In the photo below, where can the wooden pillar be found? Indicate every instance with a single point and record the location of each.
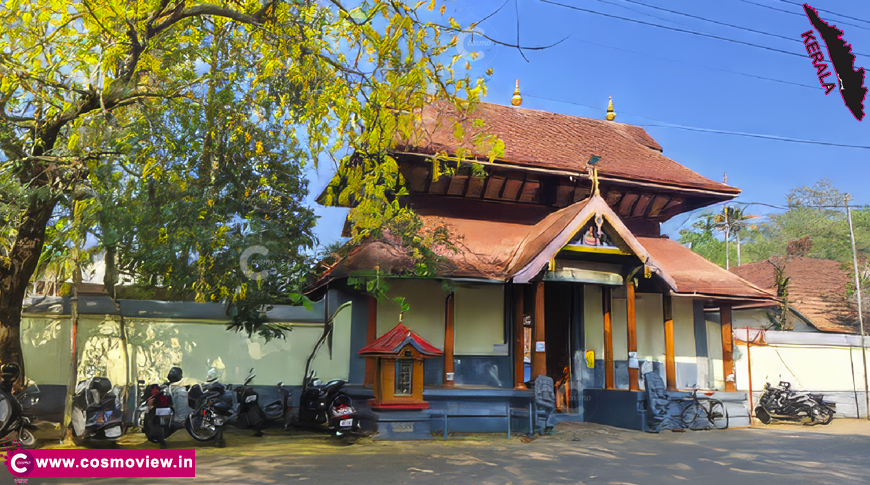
(448, 341)
(632, 333)
(519, 338)
(670, 358)
(371, 336)
(607, 305)
(727, 347)
(539, 359)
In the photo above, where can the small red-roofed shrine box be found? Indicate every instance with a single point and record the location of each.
(398, 383)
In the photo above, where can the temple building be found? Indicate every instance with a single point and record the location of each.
(559, 268)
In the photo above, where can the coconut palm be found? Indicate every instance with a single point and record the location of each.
(731, 221)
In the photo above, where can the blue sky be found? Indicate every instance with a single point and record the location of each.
(657, 76)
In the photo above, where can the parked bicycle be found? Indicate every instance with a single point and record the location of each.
(695, 411)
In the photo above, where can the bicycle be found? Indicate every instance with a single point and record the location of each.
(693, 408)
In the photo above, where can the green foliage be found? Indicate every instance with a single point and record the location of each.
(816, 212)
(778, 316)
(176, 134)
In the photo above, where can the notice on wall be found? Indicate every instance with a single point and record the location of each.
(632, 360)
(540, 347)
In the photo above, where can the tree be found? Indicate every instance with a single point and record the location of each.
(85, 86)
(701, 239)
(731, 221)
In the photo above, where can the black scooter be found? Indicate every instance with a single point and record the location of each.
(326, 407)
(251, 413)
(158, 418)
(12, 418)
(157, 411)
(96, 412)
(781, 402)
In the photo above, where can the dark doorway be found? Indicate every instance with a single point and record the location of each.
(563, 335)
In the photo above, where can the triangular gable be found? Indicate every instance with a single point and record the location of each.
(396, 339)
(525, 266)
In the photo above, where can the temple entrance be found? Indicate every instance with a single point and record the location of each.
(563, 310)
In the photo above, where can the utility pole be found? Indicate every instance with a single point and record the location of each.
(860, 314)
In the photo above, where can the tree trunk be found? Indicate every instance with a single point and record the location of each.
(738, 250)
(15, 278)
(727, 247)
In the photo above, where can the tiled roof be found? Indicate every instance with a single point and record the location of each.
(396, 339)
(816, 288)
(498, 249)
(556, 141)
(694, 274)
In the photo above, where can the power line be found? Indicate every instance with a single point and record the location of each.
(646, 14)
(713, 21)
(829, 11)
(792, 39)
(798, 14)
(758, 135)
(675, 29)
(665, 124)
(700, 65)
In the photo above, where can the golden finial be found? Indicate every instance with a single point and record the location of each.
(610, 114)
(517, 99)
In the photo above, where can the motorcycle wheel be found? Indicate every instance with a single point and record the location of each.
(26, 438)
(823, 415)
(200, 431)
(762, 415)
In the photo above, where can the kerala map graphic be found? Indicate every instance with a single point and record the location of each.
(851, 80)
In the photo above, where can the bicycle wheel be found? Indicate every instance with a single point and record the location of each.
(717, 414)
(691, 413)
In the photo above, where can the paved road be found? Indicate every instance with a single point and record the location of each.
(579, 453)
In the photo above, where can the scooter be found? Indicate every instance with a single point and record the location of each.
(156, 413)
(12, 417)
(248, 413)
(326, 407)
(781, 402)
(249, 410)
(96, 411)
(211, 410)
(202, 409)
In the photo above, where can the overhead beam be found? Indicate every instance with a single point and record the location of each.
(512, 187)
(641, 206)
(493, 186)
(627, 204)
(658, 204)
(457, 185)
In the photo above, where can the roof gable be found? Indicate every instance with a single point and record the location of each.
(395, 340)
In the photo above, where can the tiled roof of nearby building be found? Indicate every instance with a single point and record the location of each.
(556, 141)
(396, 339)
(816, 288)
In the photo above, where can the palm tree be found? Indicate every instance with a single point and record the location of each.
(731, 221)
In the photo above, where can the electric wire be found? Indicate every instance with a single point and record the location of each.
(826, 10)
(798, 14)
(713, 21)
(665, 124)
(675, 29)
(700, 65)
